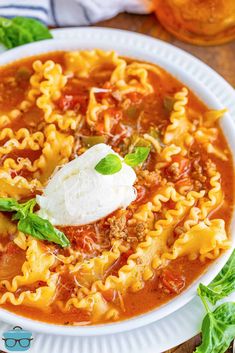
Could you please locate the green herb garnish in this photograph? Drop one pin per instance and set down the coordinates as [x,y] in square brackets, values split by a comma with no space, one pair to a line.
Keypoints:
[139,156]
[31,223]
[218,326]
[218,329]
[42,229]
[223,284]
[112,164]
[21,30]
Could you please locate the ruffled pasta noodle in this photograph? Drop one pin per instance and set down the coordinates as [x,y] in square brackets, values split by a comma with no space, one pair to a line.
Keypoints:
[7,118]
[20,140]
[50,90]
[56,151]
[205,239]
[35,268]
[180,129]
[94,108]
[126,78]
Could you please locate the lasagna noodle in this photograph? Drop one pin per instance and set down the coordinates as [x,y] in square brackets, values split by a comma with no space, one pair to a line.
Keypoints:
[50,91]
[35,268]
[124,78]
[180,130]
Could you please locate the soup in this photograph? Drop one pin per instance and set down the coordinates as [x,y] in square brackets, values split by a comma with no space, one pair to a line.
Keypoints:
[120,235]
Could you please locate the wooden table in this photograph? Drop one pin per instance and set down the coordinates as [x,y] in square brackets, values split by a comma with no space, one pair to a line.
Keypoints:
[220,58]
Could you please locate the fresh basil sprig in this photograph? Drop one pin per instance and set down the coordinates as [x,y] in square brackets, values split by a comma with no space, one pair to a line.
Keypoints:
[218,329]
[21,30]
[223,284]
[139,156]
[9,205]
[218,326]
[31,223]
[42,229]
[112,164]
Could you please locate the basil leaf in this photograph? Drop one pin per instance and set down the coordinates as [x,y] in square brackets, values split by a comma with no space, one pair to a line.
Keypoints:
[42,229]
[25,209]
[108,165]
[223,284]
[37,29]
[21,30]
[31,223]
[139,156]
[8,204]
[218,329]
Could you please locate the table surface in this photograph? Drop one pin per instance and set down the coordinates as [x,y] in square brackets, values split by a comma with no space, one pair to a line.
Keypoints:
[220,58]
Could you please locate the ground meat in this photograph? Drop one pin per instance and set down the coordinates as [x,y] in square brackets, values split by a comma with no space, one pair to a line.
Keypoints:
[118,227]
[198,173]
[174,171]
[130,234]
[209,165]
[149,179]
[140,231]
[198,186]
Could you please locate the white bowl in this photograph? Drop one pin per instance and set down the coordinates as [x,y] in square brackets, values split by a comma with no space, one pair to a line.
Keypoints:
[173,60]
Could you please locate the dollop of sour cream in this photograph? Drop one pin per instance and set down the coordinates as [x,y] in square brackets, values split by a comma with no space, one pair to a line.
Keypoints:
[77,194]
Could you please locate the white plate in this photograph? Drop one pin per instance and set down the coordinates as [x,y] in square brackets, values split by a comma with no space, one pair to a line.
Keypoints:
[183,323]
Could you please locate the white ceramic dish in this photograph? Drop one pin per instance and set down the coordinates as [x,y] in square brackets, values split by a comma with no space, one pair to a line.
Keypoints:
[209,86]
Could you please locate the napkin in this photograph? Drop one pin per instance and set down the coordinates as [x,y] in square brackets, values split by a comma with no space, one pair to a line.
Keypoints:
[72,12]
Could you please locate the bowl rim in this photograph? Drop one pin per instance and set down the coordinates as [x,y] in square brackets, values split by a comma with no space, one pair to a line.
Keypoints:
[96,38]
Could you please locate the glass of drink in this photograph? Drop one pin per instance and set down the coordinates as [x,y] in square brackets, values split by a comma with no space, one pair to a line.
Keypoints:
[202,22]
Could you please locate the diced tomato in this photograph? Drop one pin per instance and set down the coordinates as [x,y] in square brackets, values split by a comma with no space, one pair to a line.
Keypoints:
[65,102]
[119,133]
[170,204]
[129,214]
[186,181]
[74,102]
[66,285]
[12,249]
[126,254]
[172,281]
[82,237]
[184,163]
[115,113]
[135,97]
[107,85]
[11,261]
[13,174]
[123,258]
[99,127]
